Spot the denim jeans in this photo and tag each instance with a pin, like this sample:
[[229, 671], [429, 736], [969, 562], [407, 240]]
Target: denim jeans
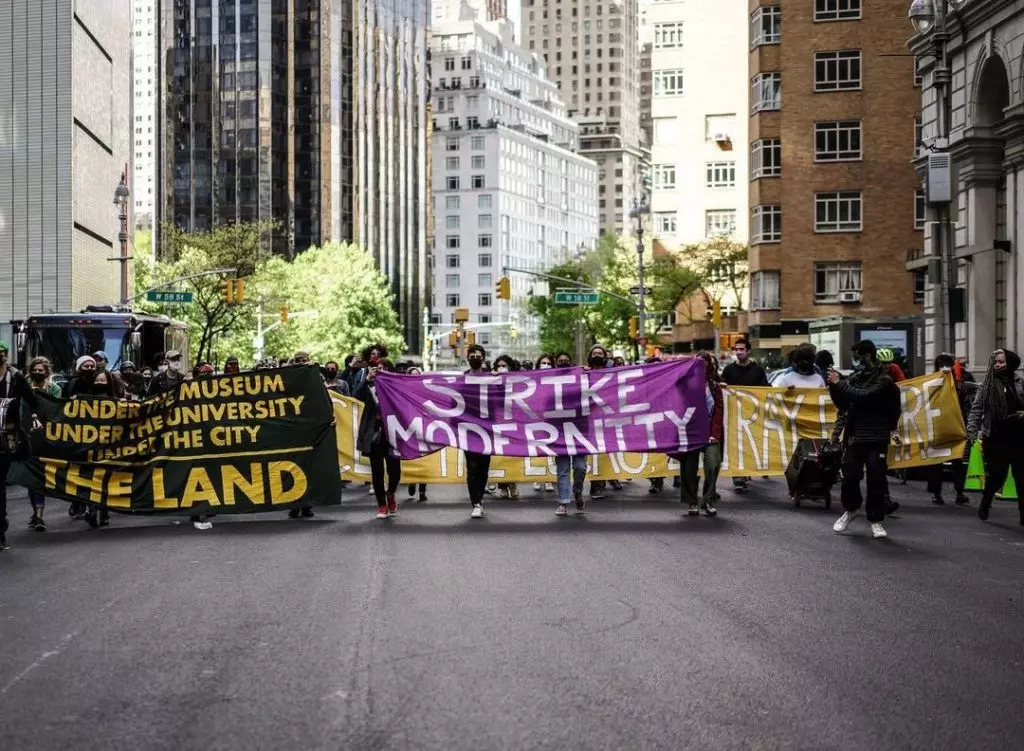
[[578, 465]]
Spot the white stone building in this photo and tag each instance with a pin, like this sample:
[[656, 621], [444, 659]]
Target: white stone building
[[145, 82], [985, 52], [508, 188]]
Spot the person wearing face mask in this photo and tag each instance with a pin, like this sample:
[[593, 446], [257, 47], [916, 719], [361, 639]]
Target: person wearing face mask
[[14, 386], [478, 466], [168, 379], [597, 359], [370, 358], [544, 362], [571, 472], [81, 382], [997, 420], [965, 393], [145, 378], [563, 360], [231, 366], [103, 365], [372, 441], [803, 374], [506, 364], [618, 361], [333, 380], [743, 372], [40, 373], [869, 413]]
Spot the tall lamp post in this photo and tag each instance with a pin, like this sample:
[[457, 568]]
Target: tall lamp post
[[121, 201], [929, 20], [641, 208]]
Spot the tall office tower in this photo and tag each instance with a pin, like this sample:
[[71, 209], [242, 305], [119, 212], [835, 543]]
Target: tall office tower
[[592, 54], [834, 200], [311, 113], [509, 188], [699, 120], [145, 84], [64, 126]]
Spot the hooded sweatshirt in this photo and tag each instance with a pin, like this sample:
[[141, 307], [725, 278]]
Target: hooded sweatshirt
[[1010, 429]]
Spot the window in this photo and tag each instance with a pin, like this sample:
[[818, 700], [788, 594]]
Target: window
[[477, 162], [449, 63], [451, 162], [484, 299], [837, 141], [918, 78], [477, 143], [837, 71], [452, 183], [451, 300], [451, 202], [485, 241], [484, 260], [766, 158], [837, 212], [451, 280], [766, 91], [720, 174], [836, 10], [766, 224], [718, 127], [451, 261], [484, 280], [478, 181], [918, 132], [920, 285], [451, 222], [764, 290], [483, 221], [664, 176], [719, 222], [766, 25], [668, 35], [830, 279], [467, 63], [668, 82], [920, 209], [452, 242], [483, 202], [451, 144], [665, 222]]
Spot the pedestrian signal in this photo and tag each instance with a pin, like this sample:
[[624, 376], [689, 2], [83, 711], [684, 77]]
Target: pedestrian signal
[[239, 290], [229, 291], [284, 314], [634, 327], [504, 288]]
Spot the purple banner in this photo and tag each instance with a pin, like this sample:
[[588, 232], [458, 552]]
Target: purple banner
[[657, 408]]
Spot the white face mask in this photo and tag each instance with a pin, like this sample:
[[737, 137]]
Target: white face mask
[[161, 369], [545, 366], [946, 369], [503, 368], [174, 365]]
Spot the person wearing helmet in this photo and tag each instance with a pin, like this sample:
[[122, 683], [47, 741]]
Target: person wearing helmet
[[887, 359]]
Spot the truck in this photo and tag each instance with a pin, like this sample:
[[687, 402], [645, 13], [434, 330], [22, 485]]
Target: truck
[[122, 334]]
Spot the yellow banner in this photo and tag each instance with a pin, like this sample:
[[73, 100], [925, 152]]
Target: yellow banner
[[762, 427]]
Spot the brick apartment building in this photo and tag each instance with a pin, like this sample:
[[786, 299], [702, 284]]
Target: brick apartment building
[[835, 204]]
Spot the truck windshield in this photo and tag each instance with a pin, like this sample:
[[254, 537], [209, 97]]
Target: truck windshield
[[64, 345]]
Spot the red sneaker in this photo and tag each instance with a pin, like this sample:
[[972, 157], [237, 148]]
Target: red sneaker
[[392, 505], [382, 512]]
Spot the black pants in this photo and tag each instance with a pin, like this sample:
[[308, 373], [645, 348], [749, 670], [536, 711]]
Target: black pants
[[997, 464], [959, 467], [381, 460], [5, 468], [872, 457], [477, 468]]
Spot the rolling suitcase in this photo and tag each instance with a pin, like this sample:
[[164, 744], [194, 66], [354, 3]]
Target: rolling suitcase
[[813, 470]]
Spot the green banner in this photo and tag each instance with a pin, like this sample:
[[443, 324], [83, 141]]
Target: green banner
[[258, 441]]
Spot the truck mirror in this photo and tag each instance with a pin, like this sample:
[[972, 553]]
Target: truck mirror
[[20, 340], [136, 339]]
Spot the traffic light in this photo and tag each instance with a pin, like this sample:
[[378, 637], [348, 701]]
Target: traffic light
[[634, 327], [229, 291], [239, 291], [470, 338], [716, 314], [284, 314], [504, 288]]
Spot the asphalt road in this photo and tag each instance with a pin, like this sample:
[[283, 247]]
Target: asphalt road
[[630, 628]]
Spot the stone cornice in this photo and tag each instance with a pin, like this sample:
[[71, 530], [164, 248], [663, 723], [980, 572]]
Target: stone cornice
[[978, 157]]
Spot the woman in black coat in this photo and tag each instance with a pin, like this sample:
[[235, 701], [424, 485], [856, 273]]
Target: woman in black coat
[[372, 442]]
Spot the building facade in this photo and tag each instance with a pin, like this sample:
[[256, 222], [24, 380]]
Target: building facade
[[509, 189], [65, 73], [310, 113], [975, 268], [592, 53], [835, 203], [145, 129]]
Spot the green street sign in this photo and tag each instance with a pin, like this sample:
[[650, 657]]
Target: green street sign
[[166, 296], [567, 297]]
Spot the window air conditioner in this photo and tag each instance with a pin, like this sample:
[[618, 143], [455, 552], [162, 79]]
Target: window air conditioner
[[722, 137], [849, 296]]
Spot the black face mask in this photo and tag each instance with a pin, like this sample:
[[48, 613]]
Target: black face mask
[[804, 368], [476, 363], [332, 373], [38, 377], [597, 362], [89, 375]]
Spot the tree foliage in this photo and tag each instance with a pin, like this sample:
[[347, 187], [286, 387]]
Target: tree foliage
[[721, 266]]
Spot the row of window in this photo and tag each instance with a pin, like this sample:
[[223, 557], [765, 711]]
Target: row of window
[[454, 261], [454, 281], [453, 221], [834, 282], [483, 300], [766, 21], [476, 143], [455, 202], [833, 71], [476, 182], [718, 222], [476, 162], [453, 242], [717, 175], [834, 211]]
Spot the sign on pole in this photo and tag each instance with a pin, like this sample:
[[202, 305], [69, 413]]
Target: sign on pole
[[636, 290], [155, 295], [569, 297]]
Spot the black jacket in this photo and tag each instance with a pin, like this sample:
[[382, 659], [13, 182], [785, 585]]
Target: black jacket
[[753, 374], [869, 407], [162, 383], [371, 428]]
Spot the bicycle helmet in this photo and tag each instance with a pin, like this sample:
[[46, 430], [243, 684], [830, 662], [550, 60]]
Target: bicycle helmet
[[886, 355]]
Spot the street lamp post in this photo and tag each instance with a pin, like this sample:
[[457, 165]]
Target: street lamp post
[[929, 19], [121, 201], [640, 209]]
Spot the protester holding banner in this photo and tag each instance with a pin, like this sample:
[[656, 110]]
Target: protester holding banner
[[478, 465], [13, 389], [965, 392], [40, 376], [997, 420], [803, 373], [597, 359], [689, 462], [743, 372], [169, 377], [385, 467], [869, 413], [506, 364]]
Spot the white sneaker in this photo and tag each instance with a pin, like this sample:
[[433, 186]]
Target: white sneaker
[[549, 488], [878, 531], [478, 512], [202, 525], [563, 509], [844, 521], [536, 487]]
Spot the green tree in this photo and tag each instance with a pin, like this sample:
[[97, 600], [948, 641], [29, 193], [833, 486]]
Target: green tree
[[721, 266]]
